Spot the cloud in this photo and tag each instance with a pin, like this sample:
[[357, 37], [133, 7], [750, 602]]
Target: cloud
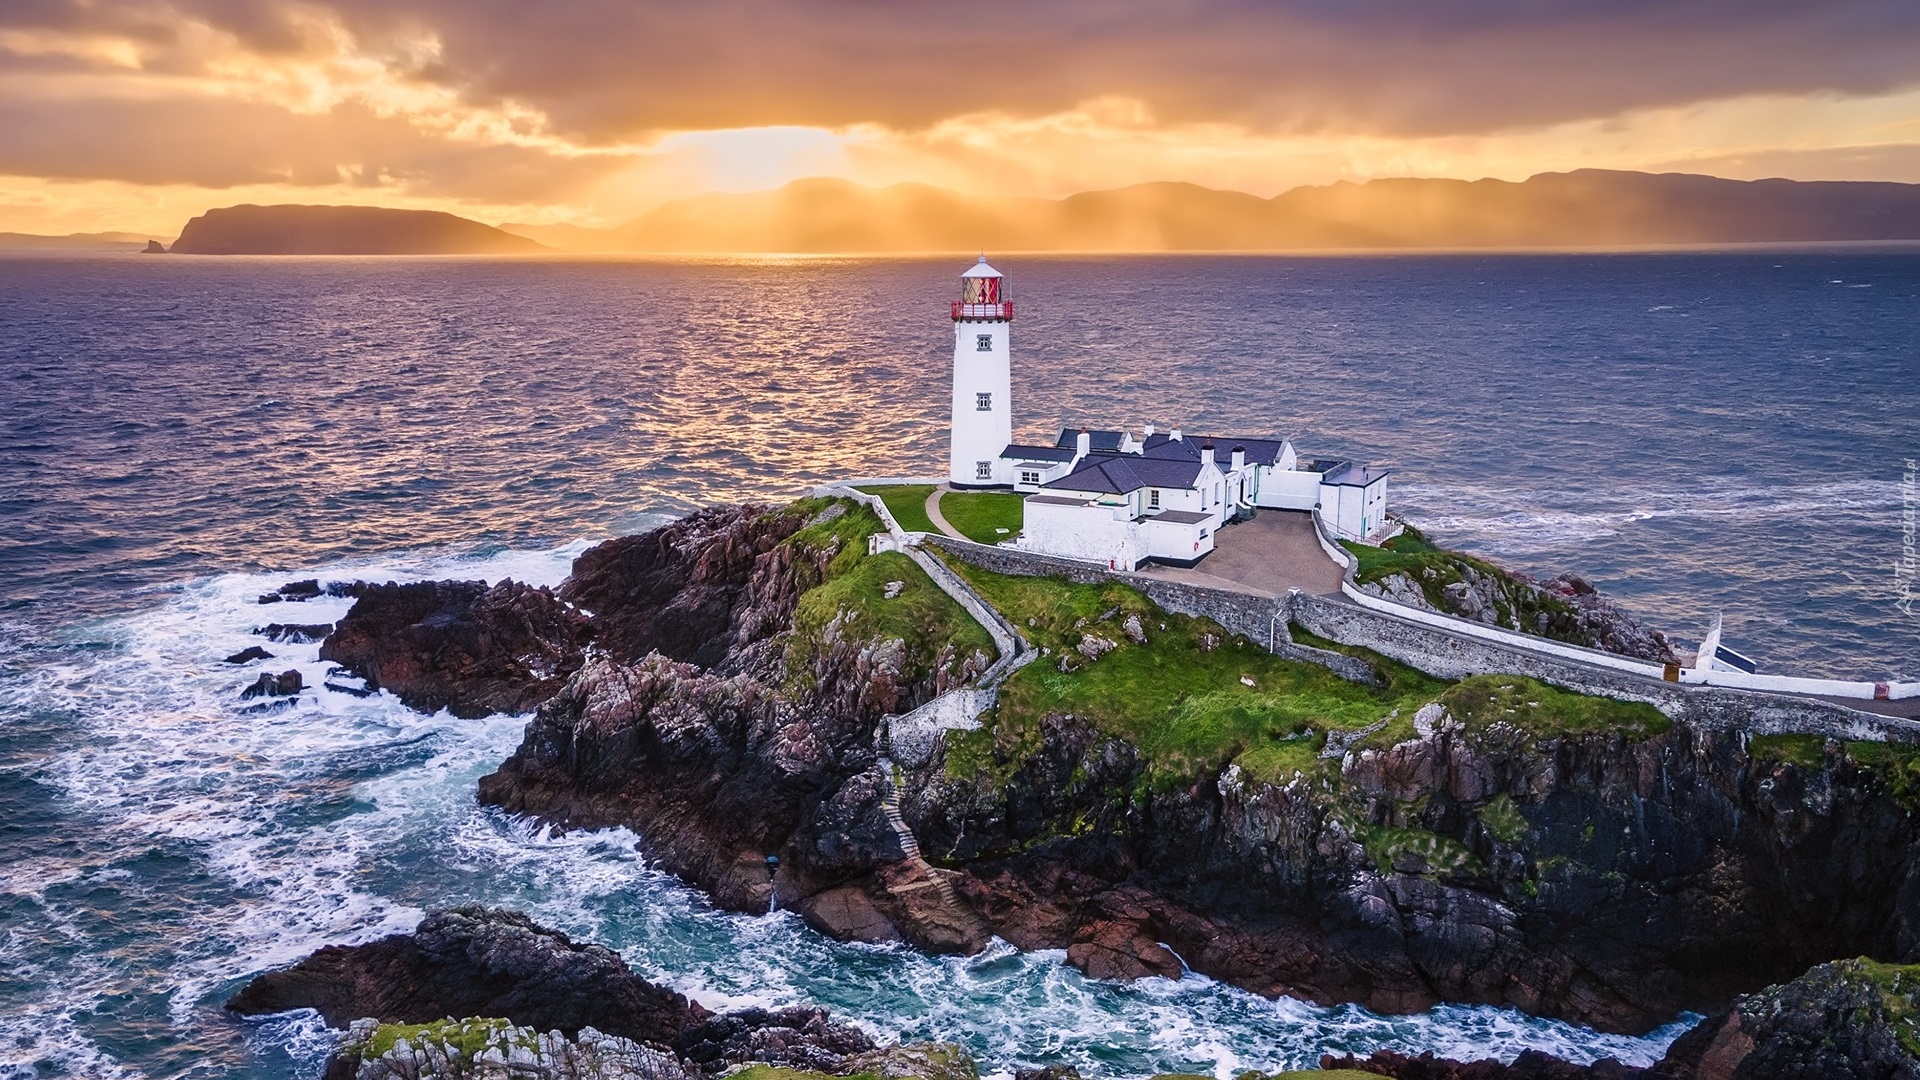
[[609, 70], [601, 108]]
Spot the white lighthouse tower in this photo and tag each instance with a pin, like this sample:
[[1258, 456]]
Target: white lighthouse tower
[[982, 379]]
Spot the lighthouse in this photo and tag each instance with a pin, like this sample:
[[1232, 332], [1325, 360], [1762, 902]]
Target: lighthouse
[[982, 379]]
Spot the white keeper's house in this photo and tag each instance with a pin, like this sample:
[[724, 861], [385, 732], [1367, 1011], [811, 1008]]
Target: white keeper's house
[[1117, 498]]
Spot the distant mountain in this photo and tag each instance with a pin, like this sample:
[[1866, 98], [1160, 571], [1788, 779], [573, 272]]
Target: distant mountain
[[97, 241], [342, 230], [1586, 208]]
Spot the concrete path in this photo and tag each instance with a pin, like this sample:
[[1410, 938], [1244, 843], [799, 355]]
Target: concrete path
[[934, 515], [1274, 552]]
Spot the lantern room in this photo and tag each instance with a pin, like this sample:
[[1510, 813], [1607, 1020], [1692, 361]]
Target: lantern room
[[983, 295]]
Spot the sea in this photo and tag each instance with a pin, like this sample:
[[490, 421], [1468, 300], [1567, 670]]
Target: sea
[[1727, 433]]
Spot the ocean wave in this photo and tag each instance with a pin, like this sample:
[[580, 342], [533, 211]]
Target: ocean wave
[[342, 819]]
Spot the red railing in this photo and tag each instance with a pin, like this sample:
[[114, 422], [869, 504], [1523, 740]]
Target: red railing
[[1002, 310]]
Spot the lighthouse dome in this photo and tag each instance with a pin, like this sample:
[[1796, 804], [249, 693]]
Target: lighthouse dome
[[981, 270]]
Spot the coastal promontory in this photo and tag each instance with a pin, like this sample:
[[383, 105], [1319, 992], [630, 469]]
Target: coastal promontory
[[343, 230]]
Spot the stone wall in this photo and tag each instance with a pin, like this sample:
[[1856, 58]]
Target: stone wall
[[1260, 619], [1444, 654]]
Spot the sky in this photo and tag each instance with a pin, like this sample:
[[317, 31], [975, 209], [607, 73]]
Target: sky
[[137, 114]]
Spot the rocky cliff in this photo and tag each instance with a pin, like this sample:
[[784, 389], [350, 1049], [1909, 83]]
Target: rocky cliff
[[1491, 841]]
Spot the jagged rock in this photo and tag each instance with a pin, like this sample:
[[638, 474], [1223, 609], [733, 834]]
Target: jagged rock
[[248, 655], [684, 590], [285, 684], [480, 1049], [1564, 608], [476, 961], [916, 1061], [295, 633], [271, 598], [460, 645], [1050, 1072], [893, 589], [1135, 632], [299, 590], [1851, 1020], [346, 588], [1093, 647], [800, 1038], [1844, 1020]]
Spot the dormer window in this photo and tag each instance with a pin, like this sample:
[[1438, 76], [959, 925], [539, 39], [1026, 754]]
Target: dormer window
[[983, 343], [983, 402]]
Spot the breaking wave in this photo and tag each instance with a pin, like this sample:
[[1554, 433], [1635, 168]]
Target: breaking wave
[[220, 842]]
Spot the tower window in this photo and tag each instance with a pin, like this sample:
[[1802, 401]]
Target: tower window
[[983, 402], [983, 470], [983, 343]]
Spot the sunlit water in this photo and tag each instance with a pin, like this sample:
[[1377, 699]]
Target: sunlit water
[[1697, 432]]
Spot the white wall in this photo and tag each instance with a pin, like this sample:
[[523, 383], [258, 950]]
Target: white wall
[[1176, 540], [976, 435], [1049, 472], [1095, 533], [1287, 489]]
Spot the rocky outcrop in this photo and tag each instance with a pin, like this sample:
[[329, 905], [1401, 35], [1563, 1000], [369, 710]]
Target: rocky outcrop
[[285, 684], [1609, 880], [1564, 608], [694, 590], [539, 1004], [482, 1049], [460, 645], [1851, 1020], [1610, 876], [476, 961], [705, 722]]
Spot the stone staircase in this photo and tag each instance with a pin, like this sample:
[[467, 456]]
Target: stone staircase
[[957, 912]]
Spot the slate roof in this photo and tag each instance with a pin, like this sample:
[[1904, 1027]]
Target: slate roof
[[1180, 517], [1118, 474], [1029, 452], [1100, 440], [1259, 451]]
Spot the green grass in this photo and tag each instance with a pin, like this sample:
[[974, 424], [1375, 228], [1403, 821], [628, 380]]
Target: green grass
[[1548, 711], [925, 619], [467, 1037], [1184, 706], [1897, 763], [1807, 751], [981, 516], [1503, 820], [1442, 854], [907, 503]]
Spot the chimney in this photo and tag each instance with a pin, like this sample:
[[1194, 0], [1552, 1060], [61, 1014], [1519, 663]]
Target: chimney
[[1239, 458], [1174, 435], [1082, 445], [1149, 433]]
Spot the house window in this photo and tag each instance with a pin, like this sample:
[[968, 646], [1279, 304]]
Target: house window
[[1029, 476], [983, 470], [1153, 499], [983, 343], [983, 402]]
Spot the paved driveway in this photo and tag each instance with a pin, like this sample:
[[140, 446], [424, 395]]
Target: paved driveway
[[1274, 552]]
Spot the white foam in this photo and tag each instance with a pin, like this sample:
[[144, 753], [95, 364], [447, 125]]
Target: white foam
[[340, 819]]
